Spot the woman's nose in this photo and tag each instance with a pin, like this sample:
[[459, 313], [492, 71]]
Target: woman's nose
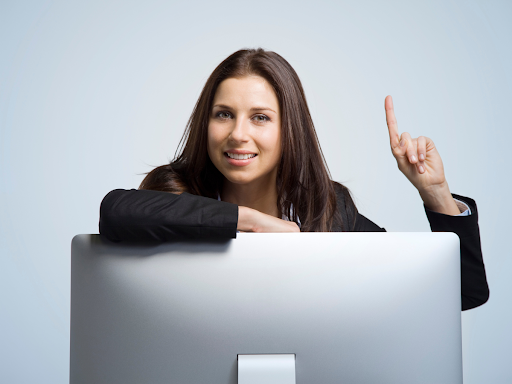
[[240, 130]]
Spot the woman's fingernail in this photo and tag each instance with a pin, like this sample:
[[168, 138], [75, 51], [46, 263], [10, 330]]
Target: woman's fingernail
[[402, 143], [413, 158], [422, 157], [421, 169]]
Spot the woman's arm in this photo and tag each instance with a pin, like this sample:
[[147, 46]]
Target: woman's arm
[[475, 290], [145, 215], [420, 162]]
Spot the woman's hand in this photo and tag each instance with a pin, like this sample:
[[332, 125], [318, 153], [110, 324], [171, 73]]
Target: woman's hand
[[251, 220], [420, 162]]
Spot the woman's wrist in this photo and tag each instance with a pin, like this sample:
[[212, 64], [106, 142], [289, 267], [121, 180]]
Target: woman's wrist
[[245, 219], [440, 200]]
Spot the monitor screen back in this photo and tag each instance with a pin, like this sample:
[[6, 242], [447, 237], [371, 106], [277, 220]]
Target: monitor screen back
[[352, 307]]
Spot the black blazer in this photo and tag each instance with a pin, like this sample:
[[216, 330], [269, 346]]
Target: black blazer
[[143, 215]]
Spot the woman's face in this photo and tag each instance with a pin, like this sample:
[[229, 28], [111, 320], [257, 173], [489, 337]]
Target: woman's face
[[244, 131]]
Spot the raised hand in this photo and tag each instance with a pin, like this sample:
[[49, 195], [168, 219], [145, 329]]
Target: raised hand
[[420, 162]]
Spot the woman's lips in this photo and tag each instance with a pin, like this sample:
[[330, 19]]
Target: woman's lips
[[239, 161]]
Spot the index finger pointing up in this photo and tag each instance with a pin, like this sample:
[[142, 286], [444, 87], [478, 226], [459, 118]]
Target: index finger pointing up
[[394, 138]]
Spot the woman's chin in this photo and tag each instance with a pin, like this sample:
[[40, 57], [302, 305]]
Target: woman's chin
[[240, 180], [243, 178]]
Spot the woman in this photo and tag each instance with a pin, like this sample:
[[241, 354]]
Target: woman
[[251, 161]]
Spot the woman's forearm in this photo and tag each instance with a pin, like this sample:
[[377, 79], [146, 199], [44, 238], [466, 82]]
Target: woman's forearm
[[440, 200], [144, 215]]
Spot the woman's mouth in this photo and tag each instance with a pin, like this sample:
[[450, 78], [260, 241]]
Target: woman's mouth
[[239, 159], [240, 156]]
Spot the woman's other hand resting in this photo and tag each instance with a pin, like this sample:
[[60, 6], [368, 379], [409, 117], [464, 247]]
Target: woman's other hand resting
[[252, 220]]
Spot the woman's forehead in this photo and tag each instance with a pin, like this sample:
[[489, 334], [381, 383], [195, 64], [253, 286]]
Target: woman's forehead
[[250, 92]]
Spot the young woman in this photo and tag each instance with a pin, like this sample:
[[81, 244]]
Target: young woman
[[251, 161]]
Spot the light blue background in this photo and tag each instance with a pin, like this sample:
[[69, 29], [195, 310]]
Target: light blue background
[[92, 94]]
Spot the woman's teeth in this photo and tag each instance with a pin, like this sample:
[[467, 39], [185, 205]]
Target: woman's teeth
[[240, 156]]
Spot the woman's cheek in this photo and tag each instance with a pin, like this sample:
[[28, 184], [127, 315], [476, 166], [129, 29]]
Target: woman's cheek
[[211, 147]]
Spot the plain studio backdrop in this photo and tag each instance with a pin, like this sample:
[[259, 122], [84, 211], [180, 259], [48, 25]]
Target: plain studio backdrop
[[94, 94]]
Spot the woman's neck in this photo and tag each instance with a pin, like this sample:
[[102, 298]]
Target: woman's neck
[[259, 196]]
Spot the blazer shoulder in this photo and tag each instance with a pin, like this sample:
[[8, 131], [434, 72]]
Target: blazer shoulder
[[351, 219], [346, 209]]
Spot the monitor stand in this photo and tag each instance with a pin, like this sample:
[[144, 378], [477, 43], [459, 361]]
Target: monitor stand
[[266, 369]]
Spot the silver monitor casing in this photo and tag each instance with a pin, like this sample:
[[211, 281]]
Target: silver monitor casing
[[352, 307]]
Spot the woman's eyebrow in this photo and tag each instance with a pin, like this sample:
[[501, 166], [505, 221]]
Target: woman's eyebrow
[[222, 106], [252, 109], [262, 109]]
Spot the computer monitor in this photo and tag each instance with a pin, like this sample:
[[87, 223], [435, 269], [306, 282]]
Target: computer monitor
[[351, 308]]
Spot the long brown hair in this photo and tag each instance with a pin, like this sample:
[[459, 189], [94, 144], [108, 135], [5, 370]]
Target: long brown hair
[[305, 190]]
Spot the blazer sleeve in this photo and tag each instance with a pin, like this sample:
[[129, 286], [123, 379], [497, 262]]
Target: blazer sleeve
[[145, 215], [475, 290]]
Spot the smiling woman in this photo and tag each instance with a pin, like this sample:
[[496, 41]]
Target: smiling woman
[[254, 104], [251, 161]]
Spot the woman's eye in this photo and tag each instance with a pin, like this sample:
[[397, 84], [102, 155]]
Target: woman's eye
[[261, 118], [223, 115]]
